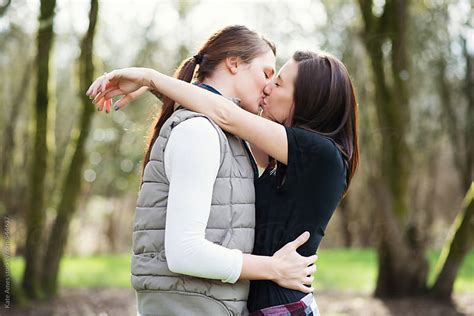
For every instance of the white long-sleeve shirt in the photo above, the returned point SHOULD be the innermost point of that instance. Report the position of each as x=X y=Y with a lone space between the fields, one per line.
x=192 y=160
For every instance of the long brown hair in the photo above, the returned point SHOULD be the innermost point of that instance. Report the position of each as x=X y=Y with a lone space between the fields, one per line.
x=231 y=41
x=325 y=102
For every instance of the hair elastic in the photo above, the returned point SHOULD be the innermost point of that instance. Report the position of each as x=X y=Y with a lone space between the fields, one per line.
x=198 y=58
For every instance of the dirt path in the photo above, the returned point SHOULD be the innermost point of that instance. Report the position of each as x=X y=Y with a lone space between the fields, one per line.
x=121 y=302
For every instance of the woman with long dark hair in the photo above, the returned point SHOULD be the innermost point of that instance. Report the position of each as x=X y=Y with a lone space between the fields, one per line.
x=197 y=197
x=310 y=131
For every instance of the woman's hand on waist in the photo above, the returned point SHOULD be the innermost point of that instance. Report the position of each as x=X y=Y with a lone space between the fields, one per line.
x=292 y=270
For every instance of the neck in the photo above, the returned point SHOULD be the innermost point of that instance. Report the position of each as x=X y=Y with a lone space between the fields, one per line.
x=222 y=83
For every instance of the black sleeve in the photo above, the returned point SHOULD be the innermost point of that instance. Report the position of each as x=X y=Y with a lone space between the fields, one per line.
x=311 y=154
x=316 y=170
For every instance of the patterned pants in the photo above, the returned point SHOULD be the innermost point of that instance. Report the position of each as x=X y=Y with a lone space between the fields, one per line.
x=305 y=306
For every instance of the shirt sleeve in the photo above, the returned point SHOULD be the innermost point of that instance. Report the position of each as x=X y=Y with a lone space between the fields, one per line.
x=313 y=157
x=317 y=169
x=192 y=160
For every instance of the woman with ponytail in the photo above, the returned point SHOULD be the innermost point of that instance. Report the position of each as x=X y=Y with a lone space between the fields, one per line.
x=307 y=129
x=234 y=44
x=197 y=198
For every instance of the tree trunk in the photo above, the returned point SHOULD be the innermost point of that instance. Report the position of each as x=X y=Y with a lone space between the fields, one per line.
x=4 y=7
x=111 y=232
x=469 y=130
x=458 y=243
x=345 y=222
x=460 y=129
x=35 y=216
x=461 y=236
x=10 y=292
x=71 y=187
x=396 y=278
x=8 y=145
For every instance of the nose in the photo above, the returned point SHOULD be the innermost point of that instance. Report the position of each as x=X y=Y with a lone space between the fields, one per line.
x=268 y=88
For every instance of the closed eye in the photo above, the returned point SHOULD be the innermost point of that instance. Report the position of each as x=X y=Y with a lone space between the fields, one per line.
x=268 y=73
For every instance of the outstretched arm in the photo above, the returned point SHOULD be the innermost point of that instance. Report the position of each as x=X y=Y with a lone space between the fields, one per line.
x=286 y=267
x=265 y=134
x=269 y=136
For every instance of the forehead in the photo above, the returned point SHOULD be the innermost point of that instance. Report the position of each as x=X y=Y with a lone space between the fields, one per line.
x=289 y=70
x=266 y=60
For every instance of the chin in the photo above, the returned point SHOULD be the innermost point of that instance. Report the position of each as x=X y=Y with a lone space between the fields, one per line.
x=270 y=116
x=250 y=107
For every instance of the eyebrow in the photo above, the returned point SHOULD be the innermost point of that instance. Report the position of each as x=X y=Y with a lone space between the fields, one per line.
x=279 y=77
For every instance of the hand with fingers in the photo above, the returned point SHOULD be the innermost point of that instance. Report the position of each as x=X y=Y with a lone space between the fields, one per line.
x=129 y=83
x=295 y=271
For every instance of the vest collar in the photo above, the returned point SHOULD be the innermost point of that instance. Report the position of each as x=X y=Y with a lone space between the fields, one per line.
x=207 y=87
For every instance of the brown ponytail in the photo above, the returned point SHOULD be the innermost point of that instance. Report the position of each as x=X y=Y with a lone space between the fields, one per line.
x=236 y=40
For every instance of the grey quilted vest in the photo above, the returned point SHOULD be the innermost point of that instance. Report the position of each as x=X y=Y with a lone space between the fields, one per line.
x=231 y=224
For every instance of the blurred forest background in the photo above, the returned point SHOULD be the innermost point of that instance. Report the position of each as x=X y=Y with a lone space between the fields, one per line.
x=69 y=175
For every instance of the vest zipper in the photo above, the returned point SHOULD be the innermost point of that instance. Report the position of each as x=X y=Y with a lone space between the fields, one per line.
x=252 y=160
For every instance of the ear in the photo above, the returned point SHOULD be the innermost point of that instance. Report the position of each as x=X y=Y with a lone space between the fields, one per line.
x=232 y=62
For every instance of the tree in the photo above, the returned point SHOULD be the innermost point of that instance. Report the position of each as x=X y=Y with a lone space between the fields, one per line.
x=397 y=246
x=458 y=243
x=6 y=189
x=459 y=119
x=460 y=130
x=10 y=292
x=8 y=144
x=4 y=7
x=35 y=216
x=385 y=38
x=71 y=187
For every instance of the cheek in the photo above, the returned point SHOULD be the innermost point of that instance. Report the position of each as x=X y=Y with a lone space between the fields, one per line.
x=288 y=105
x=280 y=104
x=246 y=84
x=259 y=82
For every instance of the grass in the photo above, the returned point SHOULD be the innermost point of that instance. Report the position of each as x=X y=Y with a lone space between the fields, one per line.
x=341 y=270
x=91 y=272
x=355 y=270
x=351 y=270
